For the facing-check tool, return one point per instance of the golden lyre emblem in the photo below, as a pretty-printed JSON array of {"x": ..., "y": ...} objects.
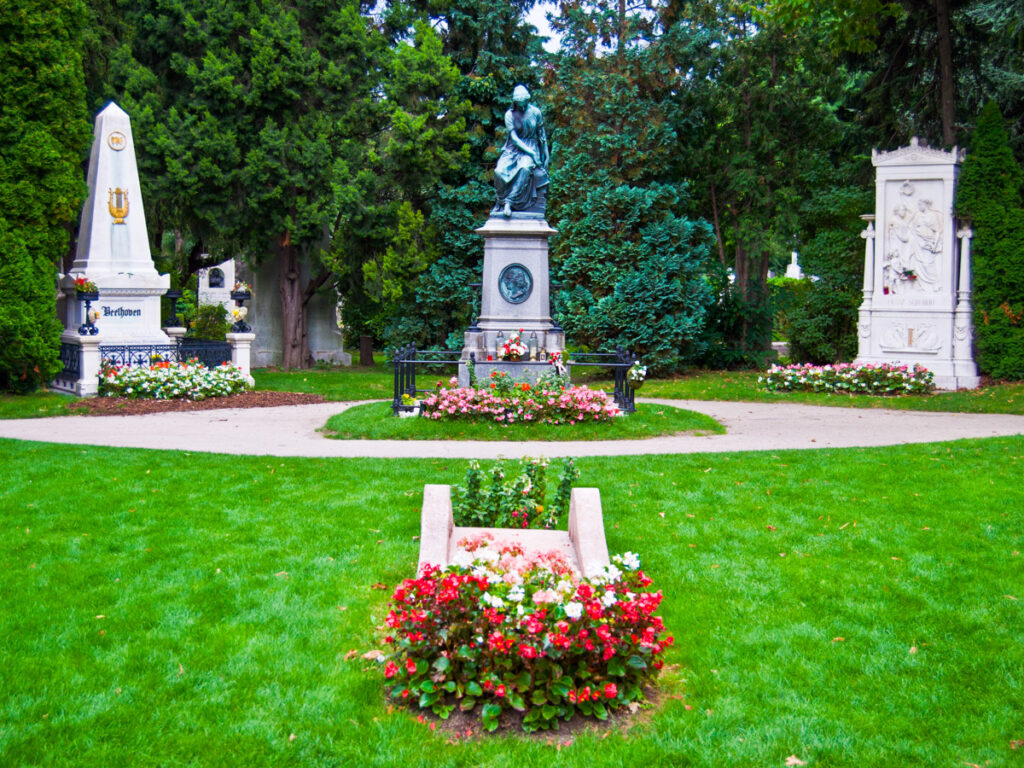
[
  {"x": 118, "y": 204},
  {"x": 117, "y": 141}
]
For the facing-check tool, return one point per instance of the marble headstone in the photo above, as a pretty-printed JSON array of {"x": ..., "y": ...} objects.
[{"x": 916, "y": 307}]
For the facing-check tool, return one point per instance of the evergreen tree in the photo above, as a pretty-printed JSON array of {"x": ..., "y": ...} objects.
[
  {"x": 632, "y": 265},
  {"x": 493, "y": 49},
  {"x": 296, "y": 132},
  {"x": 989, "y": 193},
  {"x": 44, "y": 134}
]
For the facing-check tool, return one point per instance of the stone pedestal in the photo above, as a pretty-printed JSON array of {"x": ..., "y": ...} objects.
[
  {"x": 241, "y": 346},
  {"x": 916, "y": 305},
  {"x": 516, "y": 295},
  {"x": 89, "y": 368},
  {"x": 175, "y": 333}
]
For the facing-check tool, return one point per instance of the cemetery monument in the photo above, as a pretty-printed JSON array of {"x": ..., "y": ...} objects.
[
  {"x": 917, "y": 268},
  {"x": 113, "y": 245},
  {"x": 516, "y": 291}
]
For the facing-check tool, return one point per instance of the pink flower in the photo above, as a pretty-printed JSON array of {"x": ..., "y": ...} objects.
[
  {"x": 391, "y": 669},
  {"x": 610, "y": 691}
]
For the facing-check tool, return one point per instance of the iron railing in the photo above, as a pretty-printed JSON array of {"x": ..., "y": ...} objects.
[
  {"x": 71, "y": 358},
  {"x": 620, "y": 361},
  {"x": 406, "y": 359},
  {"x": 208, "y": 353}
]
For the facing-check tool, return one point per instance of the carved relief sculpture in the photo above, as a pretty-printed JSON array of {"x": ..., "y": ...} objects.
[{"x": 913, "y": 245}]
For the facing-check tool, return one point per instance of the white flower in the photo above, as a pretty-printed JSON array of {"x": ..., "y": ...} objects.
[
  {"x": 516, "y": 594},
  {"x": 492, "y": 600},
  {"x": 609, "y": 599},
  {"x": 628, "y": 560},
  {"x": 573, "y": 609}
]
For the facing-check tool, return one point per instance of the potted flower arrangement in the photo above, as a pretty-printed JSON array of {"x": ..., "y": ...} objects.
[
  {"x": 908, "y": 274},
  {"x": 85, "y": 289},
  {"x": 636, "y": 375},
  {"x": 514, "y": 349},
  {"x": 241, "y": 292}
]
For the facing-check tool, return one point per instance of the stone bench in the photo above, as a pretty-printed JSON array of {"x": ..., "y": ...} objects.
[{"x": 583, "y": 545}]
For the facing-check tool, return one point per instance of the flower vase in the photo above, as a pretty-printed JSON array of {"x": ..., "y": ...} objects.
[{"x": 635, "y": 384}]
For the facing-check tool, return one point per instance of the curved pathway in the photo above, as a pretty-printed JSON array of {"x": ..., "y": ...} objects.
[{"x": 293, "y": 431}]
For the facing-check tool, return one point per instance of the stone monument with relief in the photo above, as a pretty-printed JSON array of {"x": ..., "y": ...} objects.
[
  {"x": 113, "y": 245},
  {"x": 516, "y": 292},
  {"x": 917, "y": 268}
]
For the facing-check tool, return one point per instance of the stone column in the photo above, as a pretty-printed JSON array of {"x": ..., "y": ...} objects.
[
  {"x": 864, "y": 314},
  {"x": 964, "y": 367},
  {"x": 241, "y": 347},
  {"x": 175, "y": 333}
]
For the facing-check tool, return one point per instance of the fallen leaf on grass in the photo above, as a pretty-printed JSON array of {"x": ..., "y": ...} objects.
[
  {"x": 771, "y": 527},
  {"x": 1010, "y": 597},
  {"x": 291, "y": 737},
  {"x": 794, "y": 760},
  {"x": 282, "y": 573},
  {"x": 838, "y": 639},
  {"x": 181, "y": 669},
  {"x": 913, "y": 649},
  {"x": 373, "y": 655},
  {"x": 351, "y": 654},
  {"x": 379, "y": 585},
  {"x": 1017, "y": 744},
  {"x": 342, "y": 607}
]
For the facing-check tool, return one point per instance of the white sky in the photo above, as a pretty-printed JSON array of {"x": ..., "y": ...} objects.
[{"x": 539, "y": 20}]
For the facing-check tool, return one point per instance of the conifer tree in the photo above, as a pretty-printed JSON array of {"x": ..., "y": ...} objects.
[
  {"x": 989, "y": 194},
  {"x": 44, "y": 134},
  {"x": 632, "y": 265}
]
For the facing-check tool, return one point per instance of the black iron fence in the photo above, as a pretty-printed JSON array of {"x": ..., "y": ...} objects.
[
  {"x": 71, "y": 358},
  {"x": 208, "y": 353},
  {"x": 406, "y": 359},
  {"x": 619, "y": 361},
  {"x": 430, "y": 360}
]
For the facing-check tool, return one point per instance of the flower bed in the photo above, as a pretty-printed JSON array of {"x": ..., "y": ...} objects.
[
  {"x": 166, "y": 381},
  {"x": 505, "y": 403},
  {"x": 849, "y": 378},
  {"x": 502, "y": 631}
]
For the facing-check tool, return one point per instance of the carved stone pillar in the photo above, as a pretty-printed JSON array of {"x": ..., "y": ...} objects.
[
  {"x": 864, "y": 315},
  {"x": 965, "y": 369}
]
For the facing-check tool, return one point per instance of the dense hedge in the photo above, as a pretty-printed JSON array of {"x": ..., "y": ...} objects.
[
  {"x": 44, "y": 133},
  {"x": 989, "y": 192}
]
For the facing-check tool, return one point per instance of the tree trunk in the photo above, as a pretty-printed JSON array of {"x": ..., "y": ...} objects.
[
  {"x": 946, "y": 72},
  {"x": 294, "y": 335}
]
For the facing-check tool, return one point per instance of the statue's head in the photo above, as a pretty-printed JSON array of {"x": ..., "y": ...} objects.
[{"x": 520, "y": 96}]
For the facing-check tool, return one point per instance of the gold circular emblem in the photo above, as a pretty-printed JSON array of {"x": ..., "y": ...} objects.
[{"x": 117, "y": 141}]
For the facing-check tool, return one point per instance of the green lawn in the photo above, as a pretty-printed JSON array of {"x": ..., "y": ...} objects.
[
  {"x": 377, "y": 383},
  {"x": 860, "y": 607},
  {"x": 374, "y": 421},
  {"x": 354, "y": 383}
]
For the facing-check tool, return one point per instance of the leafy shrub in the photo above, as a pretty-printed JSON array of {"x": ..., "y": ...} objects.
[
  {"x": 167, "y": 381},
  {"x": 504, "y": 631},
  {"x": 849, "y": 378},
  {"x": 513, "y": 500},
  {"x": 211, "y": 322},
  {"x": 823, "y": 328},
  {"x": 786, "y": 294}
]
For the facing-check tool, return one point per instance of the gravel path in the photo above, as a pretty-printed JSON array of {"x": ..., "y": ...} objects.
[{"x": 292, "y": 431}]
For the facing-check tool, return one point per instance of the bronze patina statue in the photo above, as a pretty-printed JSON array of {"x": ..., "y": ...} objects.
[{"x": 521, "y": 175}]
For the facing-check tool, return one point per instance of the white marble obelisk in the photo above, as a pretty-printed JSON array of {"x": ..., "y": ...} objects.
[{"x": 113, "y": 247}]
